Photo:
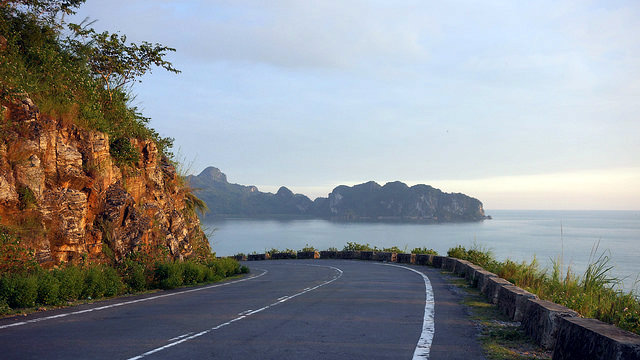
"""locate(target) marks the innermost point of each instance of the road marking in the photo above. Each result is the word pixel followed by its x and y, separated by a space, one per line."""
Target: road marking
pixel 130 302
pixel 251 312
pixel 180 337
pixel 428 324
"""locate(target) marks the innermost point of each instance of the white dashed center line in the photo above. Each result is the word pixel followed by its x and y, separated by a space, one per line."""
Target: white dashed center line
pixel 245 314
pixel 129 302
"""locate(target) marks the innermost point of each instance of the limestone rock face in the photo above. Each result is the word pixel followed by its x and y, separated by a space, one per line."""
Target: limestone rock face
pixel 61 188
pixel 31 175
pixel 8 192
pixel 395 201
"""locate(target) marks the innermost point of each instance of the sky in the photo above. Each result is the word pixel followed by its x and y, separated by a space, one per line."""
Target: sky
pixel 523 105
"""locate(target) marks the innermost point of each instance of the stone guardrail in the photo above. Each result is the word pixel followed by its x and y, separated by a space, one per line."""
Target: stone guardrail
pixel 552 326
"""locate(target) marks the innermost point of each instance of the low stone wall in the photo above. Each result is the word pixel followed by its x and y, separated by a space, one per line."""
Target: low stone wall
pixel 424 259
pixel 580 338
pixel 437 261
pixel 283 256
pixel 350 255
pixel 385 256
pixel 366 255
pixel 551 325
pixel 308 255
pixel 542 321
pixel 257 257
pixel 406 258
pixel 328 254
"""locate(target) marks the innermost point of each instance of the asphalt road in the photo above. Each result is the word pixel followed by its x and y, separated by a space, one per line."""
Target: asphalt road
pixel 322 309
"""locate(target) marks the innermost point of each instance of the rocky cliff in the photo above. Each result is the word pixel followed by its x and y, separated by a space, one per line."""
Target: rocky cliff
pixel 64 196
pixel 395 201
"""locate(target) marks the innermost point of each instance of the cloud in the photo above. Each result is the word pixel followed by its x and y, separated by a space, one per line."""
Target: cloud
pixel 609 188
pixel 288 92
pixel 280 33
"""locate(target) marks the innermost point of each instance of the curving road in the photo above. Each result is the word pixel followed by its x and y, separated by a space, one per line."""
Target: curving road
pixel 322 309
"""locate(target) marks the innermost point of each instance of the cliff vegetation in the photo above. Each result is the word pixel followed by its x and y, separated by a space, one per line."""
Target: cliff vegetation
pixel 82 175
pixel 91 204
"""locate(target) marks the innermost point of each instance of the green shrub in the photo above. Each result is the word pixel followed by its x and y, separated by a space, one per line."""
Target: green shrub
pixel 112 282
pixel 458 252
pixel 94 283
pixel 15 257
pixel 226 267
pixel 353 246
pixel 244 270
pixel 48 289
pixel 20 291
pixel 192 273
pixel 168 275
pixel 4 307
pixel 134 275
pixel 476 255
pixel 71 282
pixel 393 249
pixel 308 248
pixel 122 151
pixel 5 287
pixel 210 275
pixel 424 250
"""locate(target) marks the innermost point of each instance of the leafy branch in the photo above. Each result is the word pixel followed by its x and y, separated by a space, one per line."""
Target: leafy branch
pixel 112 60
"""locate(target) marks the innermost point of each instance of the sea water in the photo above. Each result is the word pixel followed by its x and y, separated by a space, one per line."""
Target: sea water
pixel 573 238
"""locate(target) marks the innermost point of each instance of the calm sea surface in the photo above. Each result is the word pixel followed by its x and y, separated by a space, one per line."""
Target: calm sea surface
pixel 518 235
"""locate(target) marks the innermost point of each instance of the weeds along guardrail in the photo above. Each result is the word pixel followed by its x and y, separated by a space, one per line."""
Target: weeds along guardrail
pixel 552 326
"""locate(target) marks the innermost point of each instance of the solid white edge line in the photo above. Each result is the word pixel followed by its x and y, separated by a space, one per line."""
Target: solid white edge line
pixel 153 351
pixel 130 302
pixel 428 323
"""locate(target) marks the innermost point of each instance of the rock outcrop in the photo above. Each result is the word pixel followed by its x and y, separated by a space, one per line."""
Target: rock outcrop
pixel 395 201
pixel 62 192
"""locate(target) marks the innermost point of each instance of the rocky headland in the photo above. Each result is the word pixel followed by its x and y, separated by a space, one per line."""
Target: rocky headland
pixel 394 201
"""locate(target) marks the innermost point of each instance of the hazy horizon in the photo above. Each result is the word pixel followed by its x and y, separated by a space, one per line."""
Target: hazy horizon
pixel 522 105
pixel 453 186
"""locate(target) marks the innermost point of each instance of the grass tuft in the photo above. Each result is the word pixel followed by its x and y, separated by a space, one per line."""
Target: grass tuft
pixel 594 294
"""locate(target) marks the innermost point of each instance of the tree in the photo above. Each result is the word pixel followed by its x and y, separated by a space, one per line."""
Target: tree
pixel 116 63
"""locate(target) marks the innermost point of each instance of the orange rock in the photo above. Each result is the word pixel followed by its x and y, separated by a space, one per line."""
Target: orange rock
pixel 83 199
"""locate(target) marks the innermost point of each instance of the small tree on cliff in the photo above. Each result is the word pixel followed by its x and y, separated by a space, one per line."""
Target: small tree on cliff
pixel 112 60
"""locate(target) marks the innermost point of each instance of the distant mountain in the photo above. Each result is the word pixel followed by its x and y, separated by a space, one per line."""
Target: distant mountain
pixel 225 199
pixel 395 201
